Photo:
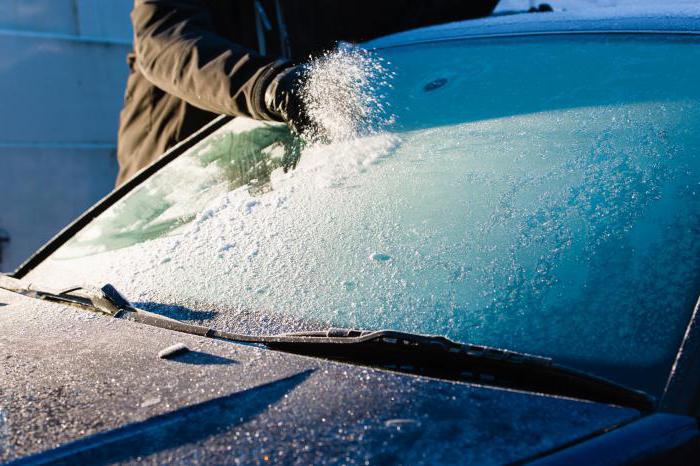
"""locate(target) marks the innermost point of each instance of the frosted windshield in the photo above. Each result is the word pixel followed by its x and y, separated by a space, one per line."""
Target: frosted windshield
pixel 537 194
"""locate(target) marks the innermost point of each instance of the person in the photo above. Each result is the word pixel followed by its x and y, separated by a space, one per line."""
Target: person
pixel 196 59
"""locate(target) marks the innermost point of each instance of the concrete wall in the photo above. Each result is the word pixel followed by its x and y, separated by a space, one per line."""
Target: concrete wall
pixel 48 188
pixel 105 19
pixel 62 76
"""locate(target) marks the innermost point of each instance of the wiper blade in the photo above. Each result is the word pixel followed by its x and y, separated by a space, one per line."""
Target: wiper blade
pixel 440 357
pixel 428 355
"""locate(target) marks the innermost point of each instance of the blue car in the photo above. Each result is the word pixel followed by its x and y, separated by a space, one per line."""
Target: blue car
pixel 505 273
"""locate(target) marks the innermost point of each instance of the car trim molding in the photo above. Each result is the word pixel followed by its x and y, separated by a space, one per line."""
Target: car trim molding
pixel 682 392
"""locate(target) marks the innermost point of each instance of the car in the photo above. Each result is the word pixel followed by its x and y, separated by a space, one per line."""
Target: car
pixel 507 273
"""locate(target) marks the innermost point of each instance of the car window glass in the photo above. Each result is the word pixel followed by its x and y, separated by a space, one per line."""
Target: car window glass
pixel 538 194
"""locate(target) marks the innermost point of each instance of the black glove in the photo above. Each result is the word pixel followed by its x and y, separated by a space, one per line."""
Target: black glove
pixel 283 99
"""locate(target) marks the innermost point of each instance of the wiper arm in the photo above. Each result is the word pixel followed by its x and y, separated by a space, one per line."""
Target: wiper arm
pixel 432 356
pixel 440 357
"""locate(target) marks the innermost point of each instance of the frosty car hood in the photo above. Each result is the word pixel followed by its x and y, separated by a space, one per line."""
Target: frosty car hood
pixel 95 388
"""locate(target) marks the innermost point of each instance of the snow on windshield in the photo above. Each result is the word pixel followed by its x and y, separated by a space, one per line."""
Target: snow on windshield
pixel 539 198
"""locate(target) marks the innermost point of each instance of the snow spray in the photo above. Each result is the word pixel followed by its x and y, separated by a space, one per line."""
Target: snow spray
pixel 344 94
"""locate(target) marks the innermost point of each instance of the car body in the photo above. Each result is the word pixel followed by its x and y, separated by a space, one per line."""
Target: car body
pixel 576 173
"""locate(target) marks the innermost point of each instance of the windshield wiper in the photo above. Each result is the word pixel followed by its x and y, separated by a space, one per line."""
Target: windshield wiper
pixel 432 356
pixel 440 357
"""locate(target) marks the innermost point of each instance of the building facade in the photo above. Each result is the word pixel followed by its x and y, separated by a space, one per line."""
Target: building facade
pixel 62 76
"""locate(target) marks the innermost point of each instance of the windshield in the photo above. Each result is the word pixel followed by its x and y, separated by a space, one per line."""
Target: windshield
pixel 538 194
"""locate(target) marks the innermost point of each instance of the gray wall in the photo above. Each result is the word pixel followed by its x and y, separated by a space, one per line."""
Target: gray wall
pixel 106 19
pixel 62 76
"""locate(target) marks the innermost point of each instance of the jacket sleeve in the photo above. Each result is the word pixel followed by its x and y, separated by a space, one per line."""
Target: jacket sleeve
pixel 179 51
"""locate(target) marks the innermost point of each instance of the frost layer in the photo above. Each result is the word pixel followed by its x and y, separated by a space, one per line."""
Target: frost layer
pixel 549 212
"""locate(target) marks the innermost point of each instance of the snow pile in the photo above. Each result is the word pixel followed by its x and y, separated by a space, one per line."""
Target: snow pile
pixel 343 93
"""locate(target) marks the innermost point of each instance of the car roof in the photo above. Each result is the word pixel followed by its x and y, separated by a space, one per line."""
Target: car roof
pixel 650 19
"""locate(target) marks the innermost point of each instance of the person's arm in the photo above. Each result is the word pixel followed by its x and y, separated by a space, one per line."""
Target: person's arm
pixel 178 50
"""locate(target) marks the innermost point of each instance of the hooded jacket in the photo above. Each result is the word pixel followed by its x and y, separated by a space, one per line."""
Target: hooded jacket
pixel 196 59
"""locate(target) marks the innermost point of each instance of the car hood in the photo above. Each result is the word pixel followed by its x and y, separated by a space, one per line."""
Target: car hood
pixel 80 387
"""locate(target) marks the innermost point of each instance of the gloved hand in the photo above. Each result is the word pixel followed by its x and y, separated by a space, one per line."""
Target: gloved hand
pixel 283 99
